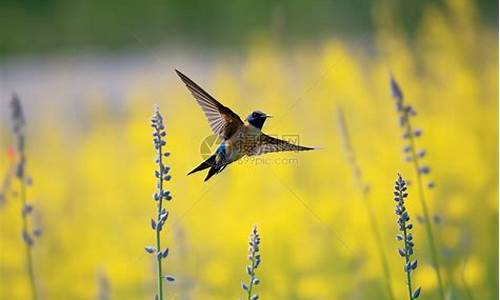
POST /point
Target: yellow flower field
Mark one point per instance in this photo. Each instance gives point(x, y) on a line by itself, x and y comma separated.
point(93, 175)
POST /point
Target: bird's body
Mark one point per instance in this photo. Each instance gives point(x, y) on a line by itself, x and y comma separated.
point(243, 142)
point(239, 139)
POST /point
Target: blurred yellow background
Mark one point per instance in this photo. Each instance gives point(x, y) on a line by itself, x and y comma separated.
point(93, 175)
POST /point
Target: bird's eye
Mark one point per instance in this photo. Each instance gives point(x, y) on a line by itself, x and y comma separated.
point(255, 115)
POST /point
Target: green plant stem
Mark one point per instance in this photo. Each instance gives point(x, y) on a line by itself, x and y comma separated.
point(407, 262)
point(464, 281)
point(158, 240)
point(29, 253)
point(158, 265)
point(250, 286)
point(425, 210)
point(351, 158)
point(378, 240)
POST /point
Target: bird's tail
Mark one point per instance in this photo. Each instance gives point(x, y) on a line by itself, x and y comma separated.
point(216, 168)
point(210, 162)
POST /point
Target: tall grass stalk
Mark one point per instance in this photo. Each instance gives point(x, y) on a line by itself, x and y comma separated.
point(103, 286)
point(161, 194)
point(18, 129)
point(410, 134)
point(400, 195)
point(365, 192)
point(254, 258)
point(465, 284)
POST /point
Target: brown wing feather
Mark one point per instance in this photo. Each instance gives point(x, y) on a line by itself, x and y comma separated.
point(222, 120)
point(267, 144)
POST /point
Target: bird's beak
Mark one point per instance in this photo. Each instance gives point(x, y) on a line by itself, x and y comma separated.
point(268, 116)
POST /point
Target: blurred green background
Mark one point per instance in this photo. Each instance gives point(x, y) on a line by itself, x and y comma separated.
point(58, 25)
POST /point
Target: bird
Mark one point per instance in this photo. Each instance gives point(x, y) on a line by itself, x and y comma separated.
point(238, 138)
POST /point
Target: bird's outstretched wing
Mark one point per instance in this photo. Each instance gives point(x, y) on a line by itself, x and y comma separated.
point(223, 121)
point(267, 144)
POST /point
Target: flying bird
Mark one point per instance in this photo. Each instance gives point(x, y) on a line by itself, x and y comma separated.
point(238, 138)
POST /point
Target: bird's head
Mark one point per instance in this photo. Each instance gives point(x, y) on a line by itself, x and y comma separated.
point(257, 118)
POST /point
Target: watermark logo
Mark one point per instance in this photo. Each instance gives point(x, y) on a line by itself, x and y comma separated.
point(291, 139)
point(248, 143)
point(209, 145)
point(263, 160)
